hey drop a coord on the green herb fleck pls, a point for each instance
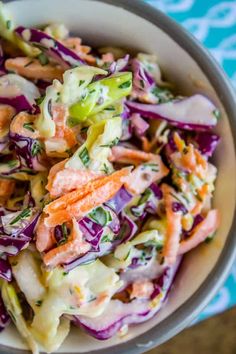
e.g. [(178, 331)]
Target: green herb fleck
[(84, 130), (84, 156), (101, 216), (38, 303), (127, 256), (217, 114), (209, 238), (28, 64), (43, 59), (159, 247), (162, 260), (28, 126), (39, 100), (163, 95), (105, 169), (81, 82), (36, 148), (8, 24), (105, 238), (111, 108), (113, 143), (24, 214), (125, 84), (142, 83), (145, 196), (64, 230), (12, 163), (154, 166), (13, 264), (65, 273)]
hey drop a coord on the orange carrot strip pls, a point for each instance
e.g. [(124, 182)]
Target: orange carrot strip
[(32, 69), (120, 154), (6, 114), (100, 195), (79, 193), (57, 218), (18, 122), (206, 228), (7, 187), (174, 226), (179, 142), (95, 197), (197, 208), (69, 251), (44, 235), (53, 171), (70, 179)]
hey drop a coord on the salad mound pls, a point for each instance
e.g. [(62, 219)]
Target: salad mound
[(106, 181)]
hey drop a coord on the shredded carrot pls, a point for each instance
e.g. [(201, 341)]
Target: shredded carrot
[(44, 235), (32, 69), (53, 171), (197, 208), (6, 114), (67, 252), (206, 228), (74, 43), (121, 154), (60, 113), (203, 191), (80, 193), (7, 187), (84, 199), (179, 142), (146, 145), (98, 196), (174, 226), (108, 58), (18, 125), (57, 218)]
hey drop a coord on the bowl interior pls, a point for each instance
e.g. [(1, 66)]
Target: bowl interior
[(101, 24)]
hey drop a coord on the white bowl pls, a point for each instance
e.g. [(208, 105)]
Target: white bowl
[(134, 25)]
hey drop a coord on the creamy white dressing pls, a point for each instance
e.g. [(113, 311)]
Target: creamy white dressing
[(26, 35)]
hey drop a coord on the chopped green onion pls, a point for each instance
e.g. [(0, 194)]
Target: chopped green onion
[(43, 59), (36, 148), (125, 84), (113, 143), (24, 214), (100, 216), (8, 24), (84, 156), (28, 126), (39, 100)]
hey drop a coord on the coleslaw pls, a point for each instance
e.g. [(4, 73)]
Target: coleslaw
[(106, 181)]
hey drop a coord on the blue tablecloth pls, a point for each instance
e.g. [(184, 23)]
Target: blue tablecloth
[(213, 22)]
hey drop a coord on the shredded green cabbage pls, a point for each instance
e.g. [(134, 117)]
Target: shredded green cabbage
[(94, 153), (7, 32), (13, 307), (124, 253), (100, 95)]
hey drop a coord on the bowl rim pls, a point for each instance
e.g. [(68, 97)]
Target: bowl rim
[(188, 311)]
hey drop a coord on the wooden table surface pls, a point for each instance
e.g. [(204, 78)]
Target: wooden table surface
[(216, 335)]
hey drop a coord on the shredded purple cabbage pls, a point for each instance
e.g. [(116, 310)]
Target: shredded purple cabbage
[(53, 48), (120, 200), (29, 151)]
